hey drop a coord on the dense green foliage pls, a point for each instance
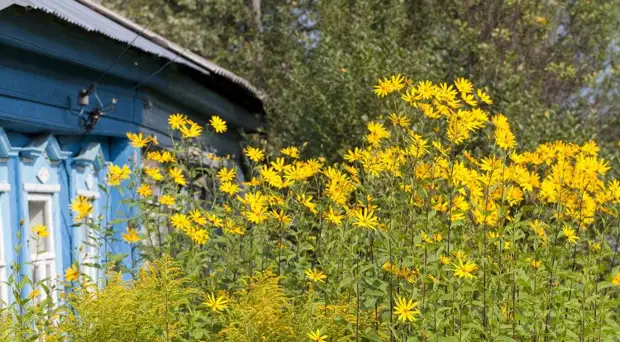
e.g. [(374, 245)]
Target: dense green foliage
[(415, 237), (551, 65)]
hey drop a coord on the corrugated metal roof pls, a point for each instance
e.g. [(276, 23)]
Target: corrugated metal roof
[(94, 17)]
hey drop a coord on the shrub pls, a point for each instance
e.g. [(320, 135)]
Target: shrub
[(439, 228)]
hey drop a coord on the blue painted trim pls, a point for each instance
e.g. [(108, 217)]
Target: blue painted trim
[(121, 153), (47, 143), (67, 192), (91, 155), (6, 150)]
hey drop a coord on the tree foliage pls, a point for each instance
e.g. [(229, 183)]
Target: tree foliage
[(551, 65)]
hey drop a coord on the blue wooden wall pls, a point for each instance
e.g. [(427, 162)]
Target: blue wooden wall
[(44, 62)]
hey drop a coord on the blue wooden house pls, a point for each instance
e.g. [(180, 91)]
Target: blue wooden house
[(74, 78)]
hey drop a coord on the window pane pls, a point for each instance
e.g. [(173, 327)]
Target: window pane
[(38, 216), (48, 272), (36, 273)]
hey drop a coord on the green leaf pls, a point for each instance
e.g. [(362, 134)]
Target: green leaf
[(505, 339)]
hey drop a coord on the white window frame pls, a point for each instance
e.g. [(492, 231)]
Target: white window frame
[(91, 253), (47, 258), (4, 287)]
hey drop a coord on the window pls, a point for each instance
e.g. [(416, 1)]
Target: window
[(42, 249)]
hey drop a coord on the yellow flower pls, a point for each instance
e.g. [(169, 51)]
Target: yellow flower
[(443, 150), (279, 164), (514, 195), (180, 221), (535, 264), (470, 100), (405, 309), (219, 125), (541, 20), (116, 174), (306, 201), (177, 175), (418, 146), (177, 120), (231, 228), (258, 215), (616, 279), (137, 140), (446, 93), (144, 190), (229, 188), (390, 267), (457, 131), (82, 207), (316, 336), (34, 294), (505, 139), (153, 155), (444, 260), (365, 218), (192, 131), (333, 217), (216, 304), (383, 88), (197, 217), (131, 236), (290, 151), (167, 156), (298, 172), (154, 173), (353, 155), (167, 200), (226, 175), (594, 246), (216, 221), (539, 229), (426, 238), (493, 235), (399, 120), (281, 216), (214, 157), (426, 90), (397, 82), (199, 236), (465, 270), (464, 85), (590, 148), (72, 273), (484, 97), (377, 130), (570, 234), (410, 97), (503, 136), (40, 231), (316, 275), (254, 154)]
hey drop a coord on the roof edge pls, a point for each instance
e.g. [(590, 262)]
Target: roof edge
[(169, 45)]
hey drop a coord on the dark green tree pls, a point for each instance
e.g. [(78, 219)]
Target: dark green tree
[(550, 66)]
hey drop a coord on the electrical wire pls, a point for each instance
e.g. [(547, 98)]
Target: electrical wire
[(169, 62), (130, 44)]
